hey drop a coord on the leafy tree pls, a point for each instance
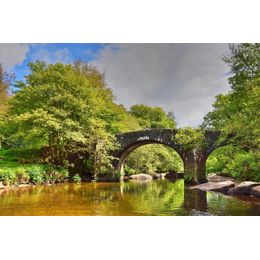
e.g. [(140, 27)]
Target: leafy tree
[(152, 117), (5, 82), (190, 138), (153, 158), (59, 107), (237, 112), (244, 63)]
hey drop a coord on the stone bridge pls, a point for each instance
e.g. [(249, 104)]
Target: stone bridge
[(194, 160)]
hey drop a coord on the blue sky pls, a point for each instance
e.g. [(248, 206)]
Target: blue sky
[(182, 78), (57, 52)]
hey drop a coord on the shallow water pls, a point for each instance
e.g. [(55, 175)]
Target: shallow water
[(155, 198)]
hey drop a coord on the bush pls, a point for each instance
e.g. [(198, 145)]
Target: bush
[(54, 174), (8, 177), (22, 175), (76, 178), (245, 167), (36, 174)]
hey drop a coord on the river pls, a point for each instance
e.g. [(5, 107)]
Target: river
[(154, 198)]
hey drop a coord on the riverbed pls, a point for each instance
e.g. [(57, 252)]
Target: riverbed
[(132, 198)]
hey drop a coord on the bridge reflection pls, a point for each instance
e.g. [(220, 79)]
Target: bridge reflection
[(195, 200)]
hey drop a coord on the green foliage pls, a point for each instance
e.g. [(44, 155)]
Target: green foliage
[(234, 162), (237, 113), (244, 63), (53, 174), (153, 117), (36, 174), (68, 110), (8, 177), (190, 138), (153, 158), (22, 175), (76, 178)]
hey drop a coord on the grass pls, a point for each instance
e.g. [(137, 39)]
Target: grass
[(14, 158)]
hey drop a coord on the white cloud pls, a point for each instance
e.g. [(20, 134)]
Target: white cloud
[(183, 78), (12, 54), (52, 56)]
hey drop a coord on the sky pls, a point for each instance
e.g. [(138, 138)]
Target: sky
[(182, 78)]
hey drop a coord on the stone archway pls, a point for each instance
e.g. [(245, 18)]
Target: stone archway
[(194, 160)]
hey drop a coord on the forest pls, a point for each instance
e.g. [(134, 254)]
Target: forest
[(60, 122)]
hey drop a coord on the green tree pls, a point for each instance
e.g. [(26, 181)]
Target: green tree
[(5, 82), (237, 112), (190, 138), (153, 158), (59, 107), (153, 117), (244, 63)]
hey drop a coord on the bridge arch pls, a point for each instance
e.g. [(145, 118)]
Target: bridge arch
[(122, 156), (194, 159)]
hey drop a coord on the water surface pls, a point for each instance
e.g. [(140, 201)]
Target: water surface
[(154, 198)]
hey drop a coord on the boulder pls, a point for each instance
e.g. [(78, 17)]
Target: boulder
[(107, 178), (156, 176), (141, 177), (215, 186), (213, 177), (255, 191), (171, 176), (244, 188), (2, 186)]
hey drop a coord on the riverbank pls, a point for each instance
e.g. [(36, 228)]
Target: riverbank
[(216, 183), (229, 186)]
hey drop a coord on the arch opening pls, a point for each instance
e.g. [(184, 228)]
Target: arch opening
[(150, 158)]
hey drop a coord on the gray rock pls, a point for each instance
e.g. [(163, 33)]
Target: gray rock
[(213, 177), (256, 191), (244, 188), (2, 186), (107, 178), (156, 176), (141, 177), (215, 186)]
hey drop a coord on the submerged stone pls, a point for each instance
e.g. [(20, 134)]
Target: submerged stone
[(215, 186), (244, 188), (141, 177), (255, 191), (2, 186)]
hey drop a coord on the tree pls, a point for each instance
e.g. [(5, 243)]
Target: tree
[(244, 63), (152, 117), (59, 107), (5, 82), (237, 113), (153, 158)]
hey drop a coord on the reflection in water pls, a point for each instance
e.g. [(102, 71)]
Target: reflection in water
[(161, 197), (195, 200)]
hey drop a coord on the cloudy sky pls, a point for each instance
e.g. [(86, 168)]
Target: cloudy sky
[(183, 78)]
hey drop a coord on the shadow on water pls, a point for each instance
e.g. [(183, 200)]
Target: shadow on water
[(153, 198)]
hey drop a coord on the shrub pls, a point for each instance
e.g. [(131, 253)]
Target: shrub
[(245, 167), (55, 174), (76, 178), (22, 175), (8, 177), (36, 174)]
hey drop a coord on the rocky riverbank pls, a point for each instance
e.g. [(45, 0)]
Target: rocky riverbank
[(229, 186)]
